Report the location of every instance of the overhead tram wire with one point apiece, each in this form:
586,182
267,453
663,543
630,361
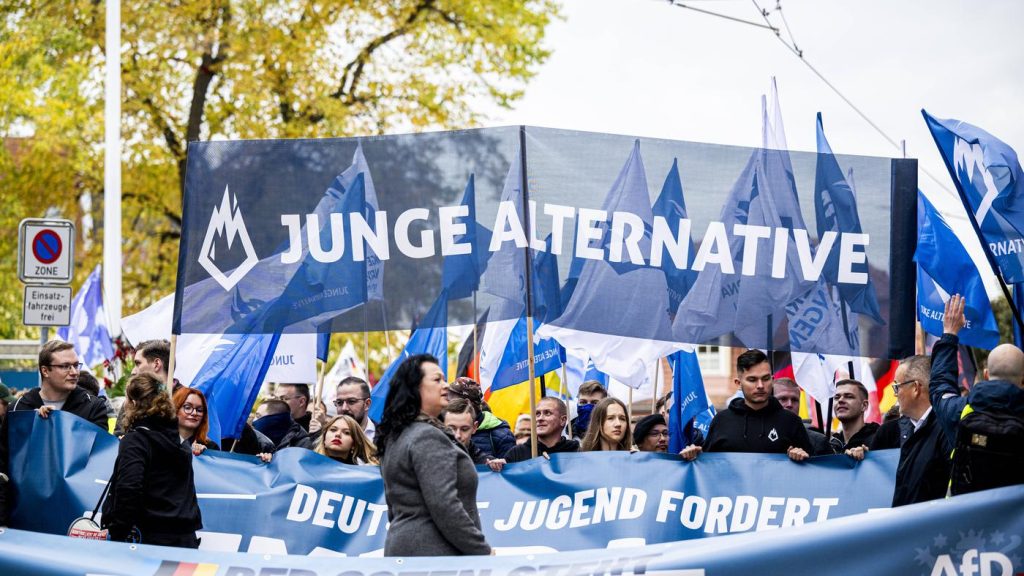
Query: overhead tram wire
799,53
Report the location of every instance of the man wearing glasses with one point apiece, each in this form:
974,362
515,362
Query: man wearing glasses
353,399
58,390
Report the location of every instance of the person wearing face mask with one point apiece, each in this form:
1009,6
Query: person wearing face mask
430,481
609,428
590,393
274,420
343,440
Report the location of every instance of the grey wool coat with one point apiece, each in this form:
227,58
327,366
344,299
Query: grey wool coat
430,487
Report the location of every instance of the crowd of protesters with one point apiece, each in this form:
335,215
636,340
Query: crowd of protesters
432,435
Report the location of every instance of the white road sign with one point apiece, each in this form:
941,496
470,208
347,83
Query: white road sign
46,251
47,306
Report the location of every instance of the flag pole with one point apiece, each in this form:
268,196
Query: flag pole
656,393
473,355
629,408
170,367
387,339
366,341
527,255
320,381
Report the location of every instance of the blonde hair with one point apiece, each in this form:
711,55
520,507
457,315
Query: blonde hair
362,447
146,398
592,439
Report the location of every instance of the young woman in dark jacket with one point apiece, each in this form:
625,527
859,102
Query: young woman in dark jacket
152,496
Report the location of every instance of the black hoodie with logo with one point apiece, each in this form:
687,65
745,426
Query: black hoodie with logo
770,430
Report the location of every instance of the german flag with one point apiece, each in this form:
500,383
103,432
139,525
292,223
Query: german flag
171,568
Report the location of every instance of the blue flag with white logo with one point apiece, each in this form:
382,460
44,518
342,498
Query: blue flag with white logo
688,398
945,268
461,272
835,210
231,378
88,329
671,206
430,338
990,181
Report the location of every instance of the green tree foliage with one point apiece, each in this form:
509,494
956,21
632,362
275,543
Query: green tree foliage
227,69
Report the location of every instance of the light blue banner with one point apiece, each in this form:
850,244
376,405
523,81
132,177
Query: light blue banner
304,503
970,534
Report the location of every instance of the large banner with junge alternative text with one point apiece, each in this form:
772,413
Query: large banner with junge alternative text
651,239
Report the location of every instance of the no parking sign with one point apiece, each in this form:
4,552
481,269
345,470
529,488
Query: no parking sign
46,251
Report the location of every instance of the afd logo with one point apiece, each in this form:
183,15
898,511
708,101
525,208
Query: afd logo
973,563
226,225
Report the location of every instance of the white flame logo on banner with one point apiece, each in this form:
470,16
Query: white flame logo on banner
226,221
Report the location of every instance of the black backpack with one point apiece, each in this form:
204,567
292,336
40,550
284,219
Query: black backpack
989,451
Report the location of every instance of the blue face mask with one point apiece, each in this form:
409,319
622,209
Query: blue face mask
583,417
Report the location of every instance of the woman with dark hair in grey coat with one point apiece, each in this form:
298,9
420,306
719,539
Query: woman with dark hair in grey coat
429,479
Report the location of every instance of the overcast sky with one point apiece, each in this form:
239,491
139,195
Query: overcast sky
648,68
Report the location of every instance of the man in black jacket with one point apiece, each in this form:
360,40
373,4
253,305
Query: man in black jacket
552,416
58,390
1001,393
756,422
851,403
275,422
923,470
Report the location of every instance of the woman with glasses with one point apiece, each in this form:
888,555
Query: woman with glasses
343,440
152,493
651,434
609,427
193,420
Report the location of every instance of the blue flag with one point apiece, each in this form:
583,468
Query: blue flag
323,345
88,329
461,272
547,301
319,291
945,268
505,276
231,378
835,210
989,179
622,291
741,295
688,398
671,206
430,338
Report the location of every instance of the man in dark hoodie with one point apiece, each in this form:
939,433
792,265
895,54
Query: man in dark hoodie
757,422
58,390
276,423
981,460
851,402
